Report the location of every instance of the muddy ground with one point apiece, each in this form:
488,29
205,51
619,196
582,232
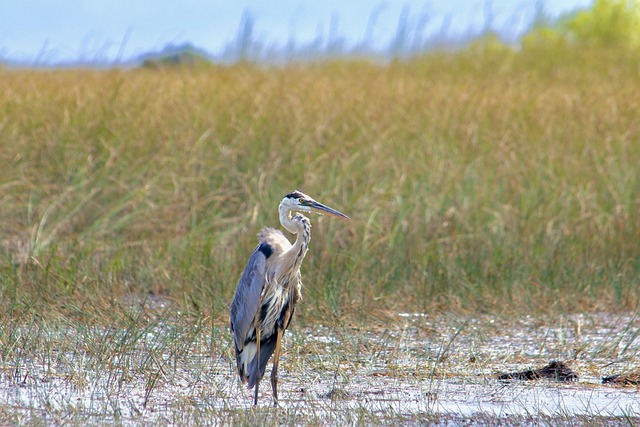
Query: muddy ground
414,369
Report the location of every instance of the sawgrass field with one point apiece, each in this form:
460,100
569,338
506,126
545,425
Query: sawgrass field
484,182
481,181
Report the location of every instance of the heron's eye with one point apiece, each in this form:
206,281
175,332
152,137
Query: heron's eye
301,201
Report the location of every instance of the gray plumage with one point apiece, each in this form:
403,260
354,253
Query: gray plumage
269,289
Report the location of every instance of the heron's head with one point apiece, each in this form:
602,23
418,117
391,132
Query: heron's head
300,202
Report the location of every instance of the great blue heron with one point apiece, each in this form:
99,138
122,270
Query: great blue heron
269,289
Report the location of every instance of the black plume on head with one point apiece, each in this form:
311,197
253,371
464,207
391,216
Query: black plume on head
295,195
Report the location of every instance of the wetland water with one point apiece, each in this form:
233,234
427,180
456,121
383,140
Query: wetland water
413,368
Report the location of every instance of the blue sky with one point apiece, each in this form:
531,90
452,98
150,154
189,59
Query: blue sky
50,31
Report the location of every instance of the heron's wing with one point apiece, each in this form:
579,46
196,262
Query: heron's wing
245,305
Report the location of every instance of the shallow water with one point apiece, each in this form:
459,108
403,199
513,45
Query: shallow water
414,367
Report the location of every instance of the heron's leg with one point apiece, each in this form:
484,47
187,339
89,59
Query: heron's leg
274,371
255,397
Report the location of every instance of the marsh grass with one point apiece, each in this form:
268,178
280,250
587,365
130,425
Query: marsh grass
477,182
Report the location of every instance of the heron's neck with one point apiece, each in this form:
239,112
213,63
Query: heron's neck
301,226
286,220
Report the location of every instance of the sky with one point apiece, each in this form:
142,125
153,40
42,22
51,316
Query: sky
58,31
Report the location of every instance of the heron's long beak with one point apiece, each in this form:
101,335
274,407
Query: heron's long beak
318,207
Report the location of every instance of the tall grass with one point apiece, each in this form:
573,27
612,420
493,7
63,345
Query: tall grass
477,181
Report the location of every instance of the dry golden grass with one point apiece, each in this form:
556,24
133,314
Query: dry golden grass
476,181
